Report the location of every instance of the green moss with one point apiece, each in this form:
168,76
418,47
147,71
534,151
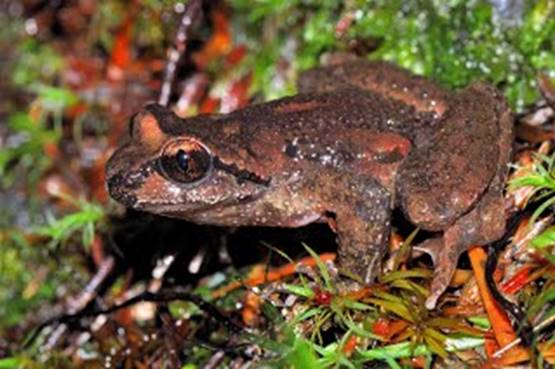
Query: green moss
454,42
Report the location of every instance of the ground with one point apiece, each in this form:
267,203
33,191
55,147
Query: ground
72,74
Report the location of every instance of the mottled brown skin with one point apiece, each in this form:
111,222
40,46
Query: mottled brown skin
361,138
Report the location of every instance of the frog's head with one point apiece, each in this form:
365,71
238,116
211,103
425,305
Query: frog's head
166,166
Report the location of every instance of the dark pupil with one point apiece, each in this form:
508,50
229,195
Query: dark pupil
183,160
186,166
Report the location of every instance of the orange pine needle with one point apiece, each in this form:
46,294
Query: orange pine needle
519,280
350,345
257,277
219,44
548,351
358,294
121,53
387,329
251,309
490,344
499,320
120,58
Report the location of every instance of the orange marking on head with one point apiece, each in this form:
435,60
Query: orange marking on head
147,129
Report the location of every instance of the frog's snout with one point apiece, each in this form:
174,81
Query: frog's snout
125,175
119,190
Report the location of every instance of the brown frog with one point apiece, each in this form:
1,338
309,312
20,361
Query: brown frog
360,139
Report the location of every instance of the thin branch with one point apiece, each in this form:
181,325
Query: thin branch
516,342
215,361
191,12
88,294
164,295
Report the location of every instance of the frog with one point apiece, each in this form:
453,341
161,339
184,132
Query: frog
359,140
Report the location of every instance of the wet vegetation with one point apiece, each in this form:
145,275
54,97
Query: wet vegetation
72,74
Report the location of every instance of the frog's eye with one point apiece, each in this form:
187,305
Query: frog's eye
185,161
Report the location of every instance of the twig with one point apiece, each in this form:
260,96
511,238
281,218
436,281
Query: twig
516,342
90,289
162,266
215,360
190,13
164,295
538,227
88,294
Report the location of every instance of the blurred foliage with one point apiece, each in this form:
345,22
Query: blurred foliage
25,150
29,271
37,63
83,221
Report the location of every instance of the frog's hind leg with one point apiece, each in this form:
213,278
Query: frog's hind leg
482,225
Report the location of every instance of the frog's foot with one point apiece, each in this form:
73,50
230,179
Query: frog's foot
445,257
431,247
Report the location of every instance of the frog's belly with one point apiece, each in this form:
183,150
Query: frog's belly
225,219
298,220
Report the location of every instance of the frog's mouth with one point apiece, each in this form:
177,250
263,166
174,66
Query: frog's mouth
222,213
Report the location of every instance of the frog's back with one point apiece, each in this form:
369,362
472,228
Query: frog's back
314,118
348,130
379,77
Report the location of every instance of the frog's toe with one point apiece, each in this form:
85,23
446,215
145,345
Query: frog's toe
440,282
445,257
431,247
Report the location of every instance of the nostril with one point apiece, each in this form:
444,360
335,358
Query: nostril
114,182
119,191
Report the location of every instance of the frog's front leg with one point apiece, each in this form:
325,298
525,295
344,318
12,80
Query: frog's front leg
361,207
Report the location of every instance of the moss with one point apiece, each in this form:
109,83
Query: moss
454,42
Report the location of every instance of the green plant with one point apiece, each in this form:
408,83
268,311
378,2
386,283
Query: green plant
454,42
542,180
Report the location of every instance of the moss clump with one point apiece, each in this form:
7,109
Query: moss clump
454,42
